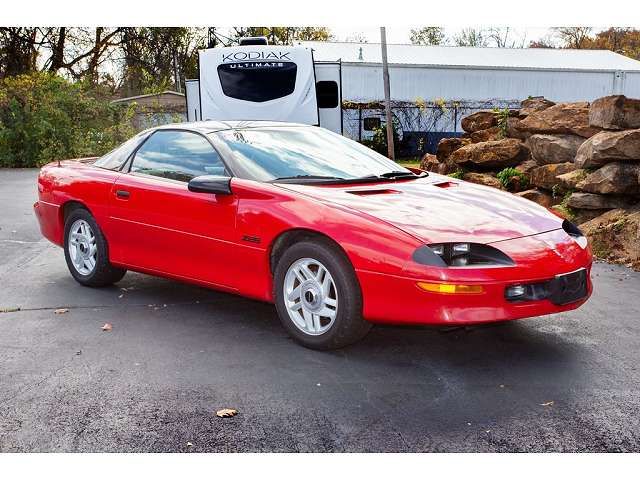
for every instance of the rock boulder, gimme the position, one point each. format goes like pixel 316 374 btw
pixel 554 148
pixel 481 120
pixel 486 135
pixel 494 154
pixel 606 147
pixel 619 178
pixel 534 104
pixel 615 236
pixel 527 166
pixel 482 179
pixel 568 181
pixel 546 176
pixel 430 163
pixel 538 196
pixel 615 112
pixel 594 201
pixel 571 118
pixel 447 146
pixel 513 129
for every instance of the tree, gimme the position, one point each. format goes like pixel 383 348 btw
pixel 157 58
pixel 18 50
pixel 428 36
pixel 470 37
pixel 544 42
pixel 574 37
pixel 79 52
pixel 505 37
pixel 276 35
pixel 625 41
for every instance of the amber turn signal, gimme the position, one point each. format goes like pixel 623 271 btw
pixel 449 288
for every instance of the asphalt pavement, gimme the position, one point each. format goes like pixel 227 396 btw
pixel 177 353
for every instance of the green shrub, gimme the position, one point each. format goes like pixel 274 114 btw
pixel 378 141
pixel 457 174
pixel 502 116
pixel 513 179
pixel 44 117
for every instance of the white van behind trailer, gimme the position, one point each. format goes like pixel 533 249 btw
pixel 257 81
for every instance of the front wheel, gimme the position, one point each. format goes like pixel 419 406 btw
pixel 318 296
pixel 85 250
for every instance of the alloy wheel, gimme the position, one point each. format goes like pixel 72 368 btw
pixel 310 296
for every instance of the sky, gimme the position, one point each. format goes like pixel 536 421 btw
pixel 401 34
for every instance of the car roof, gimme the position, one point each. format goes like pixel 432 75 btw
pixel 209 126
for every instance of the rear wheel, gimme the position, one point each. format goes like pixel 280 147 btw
pixel 318 297
pixel 85 250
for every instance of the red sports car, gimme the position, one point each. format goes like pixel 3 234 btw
pixel 336 235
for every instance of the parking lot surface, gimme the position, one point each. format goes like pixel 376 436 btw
pixel 177 353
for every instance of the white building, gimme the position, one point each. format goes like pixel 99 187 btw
pixel 452 82
pixel 480 74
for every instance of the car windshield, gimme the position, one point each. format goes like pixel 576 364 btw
pixel 303 154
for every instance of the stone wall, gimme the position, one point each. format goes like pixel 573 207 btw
pixel 581 160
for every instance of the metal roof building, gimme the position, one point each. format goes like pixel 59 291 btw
pixel 480 74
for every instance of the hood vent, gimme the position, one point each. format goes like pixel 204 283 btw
pixel 446 184
pixel 373 191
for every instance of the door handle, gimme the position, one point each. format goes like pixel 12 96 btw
pixel 122 194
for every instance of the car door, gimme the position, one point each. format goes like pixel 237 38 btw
pixel 159 225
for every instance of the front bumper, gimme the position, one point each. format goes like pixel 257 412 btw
pixel 539 259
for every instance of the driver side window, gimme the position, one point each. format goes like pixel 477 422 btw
pixel 177 155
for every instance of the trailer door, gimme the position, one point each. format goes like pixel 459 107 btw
pixel 329 95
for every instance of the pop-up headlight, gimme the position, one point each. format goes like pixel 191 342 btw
pixel 460 255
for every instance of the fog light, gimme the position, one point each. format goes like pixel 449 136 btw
pixel 449 288
pixel 515 291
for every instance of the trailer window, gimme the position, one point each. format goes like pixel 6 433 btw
pixel 371 123
pixel 327 94
pixel 258 81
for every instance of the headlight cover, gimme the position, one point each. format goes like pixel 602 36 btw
pixel 461 254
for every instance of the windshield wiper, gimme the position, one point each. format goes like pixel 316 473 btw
pixel 389 176
pixel 306 177
pixel 400 174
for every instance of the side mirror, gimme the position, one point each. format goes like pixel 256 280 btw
pixel 211 184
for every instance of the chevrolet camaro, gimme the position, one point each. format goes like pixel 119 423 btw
pixel 337 236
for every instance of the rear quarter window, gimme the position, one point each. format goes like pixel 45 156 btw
pixel 116 158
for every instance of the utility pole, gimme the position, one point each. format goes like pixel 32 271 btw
pixel 387 94
pixel 176 75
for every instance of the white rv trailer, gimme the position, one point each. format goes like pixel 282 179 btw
pixel 257 81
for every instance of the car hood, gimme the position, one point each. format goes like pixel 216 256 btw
pixel 440 209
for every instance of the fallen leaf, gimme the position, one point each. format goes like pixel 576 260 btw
pixel 547 404
pixel 226 412
pixel 189 444
pixel 106 327
pixel 59 311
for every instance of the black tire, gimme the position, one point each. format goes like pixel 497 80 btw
pixel 103 274
pixel 348 326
